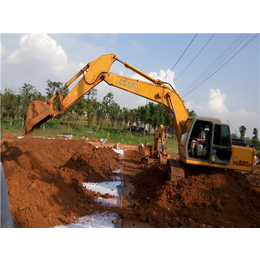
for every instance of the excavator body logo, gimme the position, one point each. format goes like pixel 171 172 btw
pixel 128 84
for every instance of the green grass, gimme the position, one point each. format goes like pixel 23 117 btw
pixel 52 129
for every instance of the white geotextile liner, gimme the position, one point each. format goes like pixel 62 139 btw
pixel 104 188
pixel 109 187
pixel 97 220
pixel 120 151
pixel 106 219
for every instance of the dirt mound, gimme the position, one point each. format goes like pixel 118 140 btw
pixel 215 199
pixel 96 164
pixel 44 178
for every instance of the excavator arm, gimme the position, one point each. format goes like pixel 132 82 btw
pixel 97 71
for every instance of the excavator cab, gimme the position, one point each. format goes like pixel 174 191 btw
pixel 217 147
pixel 202 147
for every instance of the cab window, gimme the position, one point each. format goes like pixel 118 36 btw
pixel 221 135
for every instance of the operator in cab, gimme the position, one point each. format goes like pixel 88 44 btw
pixel 196 141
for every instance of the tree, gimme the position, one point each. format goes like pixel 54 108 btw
pixel 159 114
pixel 132 117
pixel 191 113
pixel 91 105
pixel 52 87
pixel 234 135
pixel 248 141
pixel 152 118
pixel 120 118
pixel 167 119
pixel 143 113
pixel 126 115
pixel 242 130
pixel 162 114
pixel 108 100
pixel 79 108
pixel 27 93
pixel 101 114
pixel 9 104
pixel 114 111
pixel 255 140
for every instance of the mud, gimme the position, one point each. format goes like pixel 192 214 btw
pixel 44 179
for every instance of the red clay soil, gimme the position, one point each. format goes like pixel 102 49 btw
pixel 44 178
pixel 209 199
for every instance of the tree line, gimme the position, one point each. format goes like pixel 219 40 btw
pixel 14 104
pixel 253 142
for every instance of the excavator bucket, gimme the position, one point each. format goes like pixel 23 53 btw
pixel 147 160
pixel 163 159
pixel 175 170
pixel 39 111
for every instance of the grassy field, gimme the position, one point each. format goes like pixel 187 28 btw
pixel 52 129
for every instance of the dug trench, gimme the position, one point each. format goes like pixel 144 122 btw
pixel 45 176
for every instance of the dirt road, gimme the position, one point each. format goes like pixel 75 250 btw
pixel 44 179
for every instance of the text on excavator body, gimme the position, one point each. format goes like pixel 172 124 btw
pixel 128 84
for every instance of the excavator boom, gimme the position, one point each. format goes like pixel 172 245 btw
pixel 97 71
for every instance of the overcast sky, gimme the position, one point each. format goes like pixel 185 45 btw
pixel 218 75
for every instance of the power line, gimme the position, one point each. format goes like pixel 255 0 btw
pixel 196 56
pixel 211 66
pixel 222 57
pixel 223 64
pixel 181 55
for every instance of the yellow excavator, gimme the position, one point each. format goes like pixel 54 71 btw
pixel 156 151
pixel 214 150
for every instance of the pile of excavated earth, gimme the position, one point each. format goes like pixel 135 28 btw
pixel 44 180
